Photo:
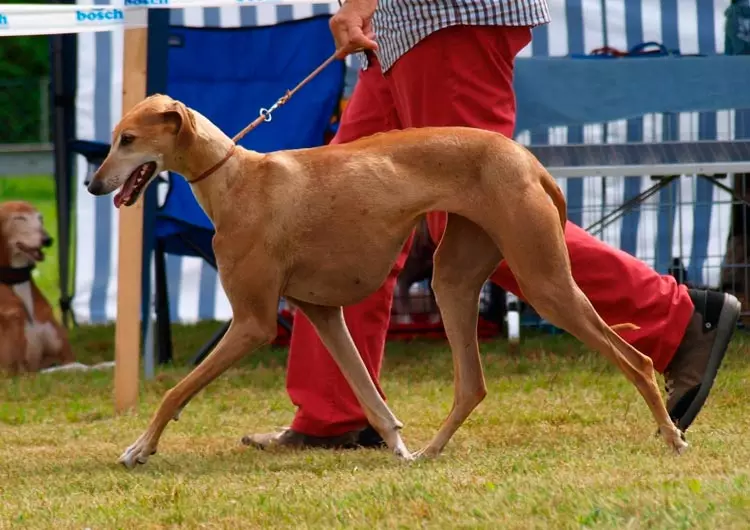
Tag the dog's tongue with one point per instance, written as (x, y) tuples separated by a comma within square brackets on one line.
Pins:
[(123, 196)]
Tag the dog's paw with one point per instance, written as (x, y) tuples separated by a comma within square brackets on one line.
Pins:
[(137, 453), (426, 453), (679, 446), (401, 451), (674, 438), (404, 455)]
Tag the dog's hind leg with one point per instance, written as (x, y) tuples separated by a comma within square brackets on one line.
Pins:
[(331, 327), (572, 311), (533, 245), (464, 259)]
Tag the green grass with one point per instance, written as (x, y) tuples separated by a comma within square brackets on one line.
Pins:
[(40, 192), (562, 441)]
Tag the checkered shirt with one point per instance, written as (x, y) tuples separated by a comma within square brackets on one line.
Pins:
[(401, 24)]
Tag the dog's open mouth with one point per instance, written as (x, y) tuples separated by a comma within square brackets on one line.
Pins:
[(35, 254), (135, 184)]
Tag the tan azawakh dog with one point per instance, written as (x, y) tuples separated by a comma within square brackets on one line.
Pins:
[(323, 227)]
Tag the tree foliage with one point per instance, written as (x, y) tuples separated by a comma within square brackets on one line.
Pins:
[(23, 62), (24, 56)]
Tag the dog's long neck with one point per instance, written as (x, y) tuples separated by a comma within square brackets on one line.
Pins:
[(209, 147)]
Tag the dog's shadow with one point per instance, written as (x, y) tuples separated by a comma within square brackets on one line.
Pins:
[(282, 462), (240, 460)]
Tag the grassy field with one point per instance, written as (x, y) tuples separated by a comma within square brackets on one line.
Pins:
[(562, 441)]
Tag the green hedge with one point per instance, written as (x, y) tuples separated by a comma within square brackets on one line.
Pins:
[(24, 61), (21, 111)]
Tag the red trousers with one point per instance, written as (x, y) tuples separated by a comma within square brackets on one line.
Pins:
[(463, 75)]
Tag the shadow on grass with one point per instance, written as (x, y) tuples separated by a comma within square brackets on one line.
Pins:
[(220, 459)]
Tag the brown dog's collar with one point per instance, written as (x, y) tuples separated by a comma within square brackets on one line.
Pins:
[(15, 275), (210, 171)]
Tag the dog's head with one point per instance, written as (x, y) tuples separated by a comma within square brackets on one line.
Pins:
[(22, 234), (149, 139)]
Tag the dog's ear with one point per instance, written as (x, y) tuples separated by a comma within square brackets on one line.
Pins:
[(182, 121)]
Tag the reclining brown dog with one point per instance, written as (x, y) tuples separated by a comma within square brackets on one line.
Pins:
[(31, 339), (323, 227)]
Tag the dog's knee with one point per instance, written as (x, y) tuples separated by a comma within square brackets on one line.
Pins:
[(547, 303), (256, 331)]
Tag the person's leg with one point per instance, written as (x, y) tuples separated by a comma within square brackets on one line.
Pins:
[(328, 414), (463, 75)]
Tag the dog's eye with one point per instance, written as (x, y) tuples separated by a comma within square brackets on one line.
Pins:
[(126, 139)]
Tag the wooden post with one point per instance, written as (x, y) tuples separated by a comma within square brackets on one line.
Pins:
[(127, 327)]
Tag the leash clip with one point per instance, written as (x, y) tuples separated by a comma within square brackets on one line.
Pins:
[(266, 114)]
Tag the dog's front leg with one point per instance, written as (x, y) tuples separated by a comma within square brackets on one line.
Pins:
[(57, 350), (330, 324), (242, 337)]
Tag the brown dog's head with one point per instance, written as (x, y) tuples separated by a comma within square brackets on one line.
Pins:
[(148, 140), (22, 235)]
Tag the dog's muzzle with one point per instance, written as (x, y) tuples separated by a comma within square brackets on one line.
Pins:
[(95, 187)]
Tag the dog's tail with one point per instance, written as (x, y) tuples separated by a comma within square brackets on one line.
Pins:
[(556, 194)]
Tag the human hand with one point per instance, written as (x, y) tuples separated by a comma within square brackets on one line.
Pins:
[(351, 27)]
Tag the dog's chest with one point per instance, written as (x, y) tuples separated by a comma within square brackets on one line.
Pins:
[(23, 292), (40, 336)]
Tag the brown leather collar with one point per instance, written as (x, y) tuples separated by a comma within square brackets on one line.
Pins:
[(210, 171), (15, 275)]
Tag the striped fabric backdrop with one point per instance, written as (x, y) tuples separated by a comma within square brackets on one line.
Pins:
[(690, 219)]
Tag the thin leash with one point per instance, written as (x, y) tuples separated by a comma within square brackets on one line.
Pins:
[(264, 116)]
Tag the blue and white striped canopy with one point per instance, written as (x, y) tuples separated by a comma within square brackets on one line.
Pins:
[(689, 220)]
